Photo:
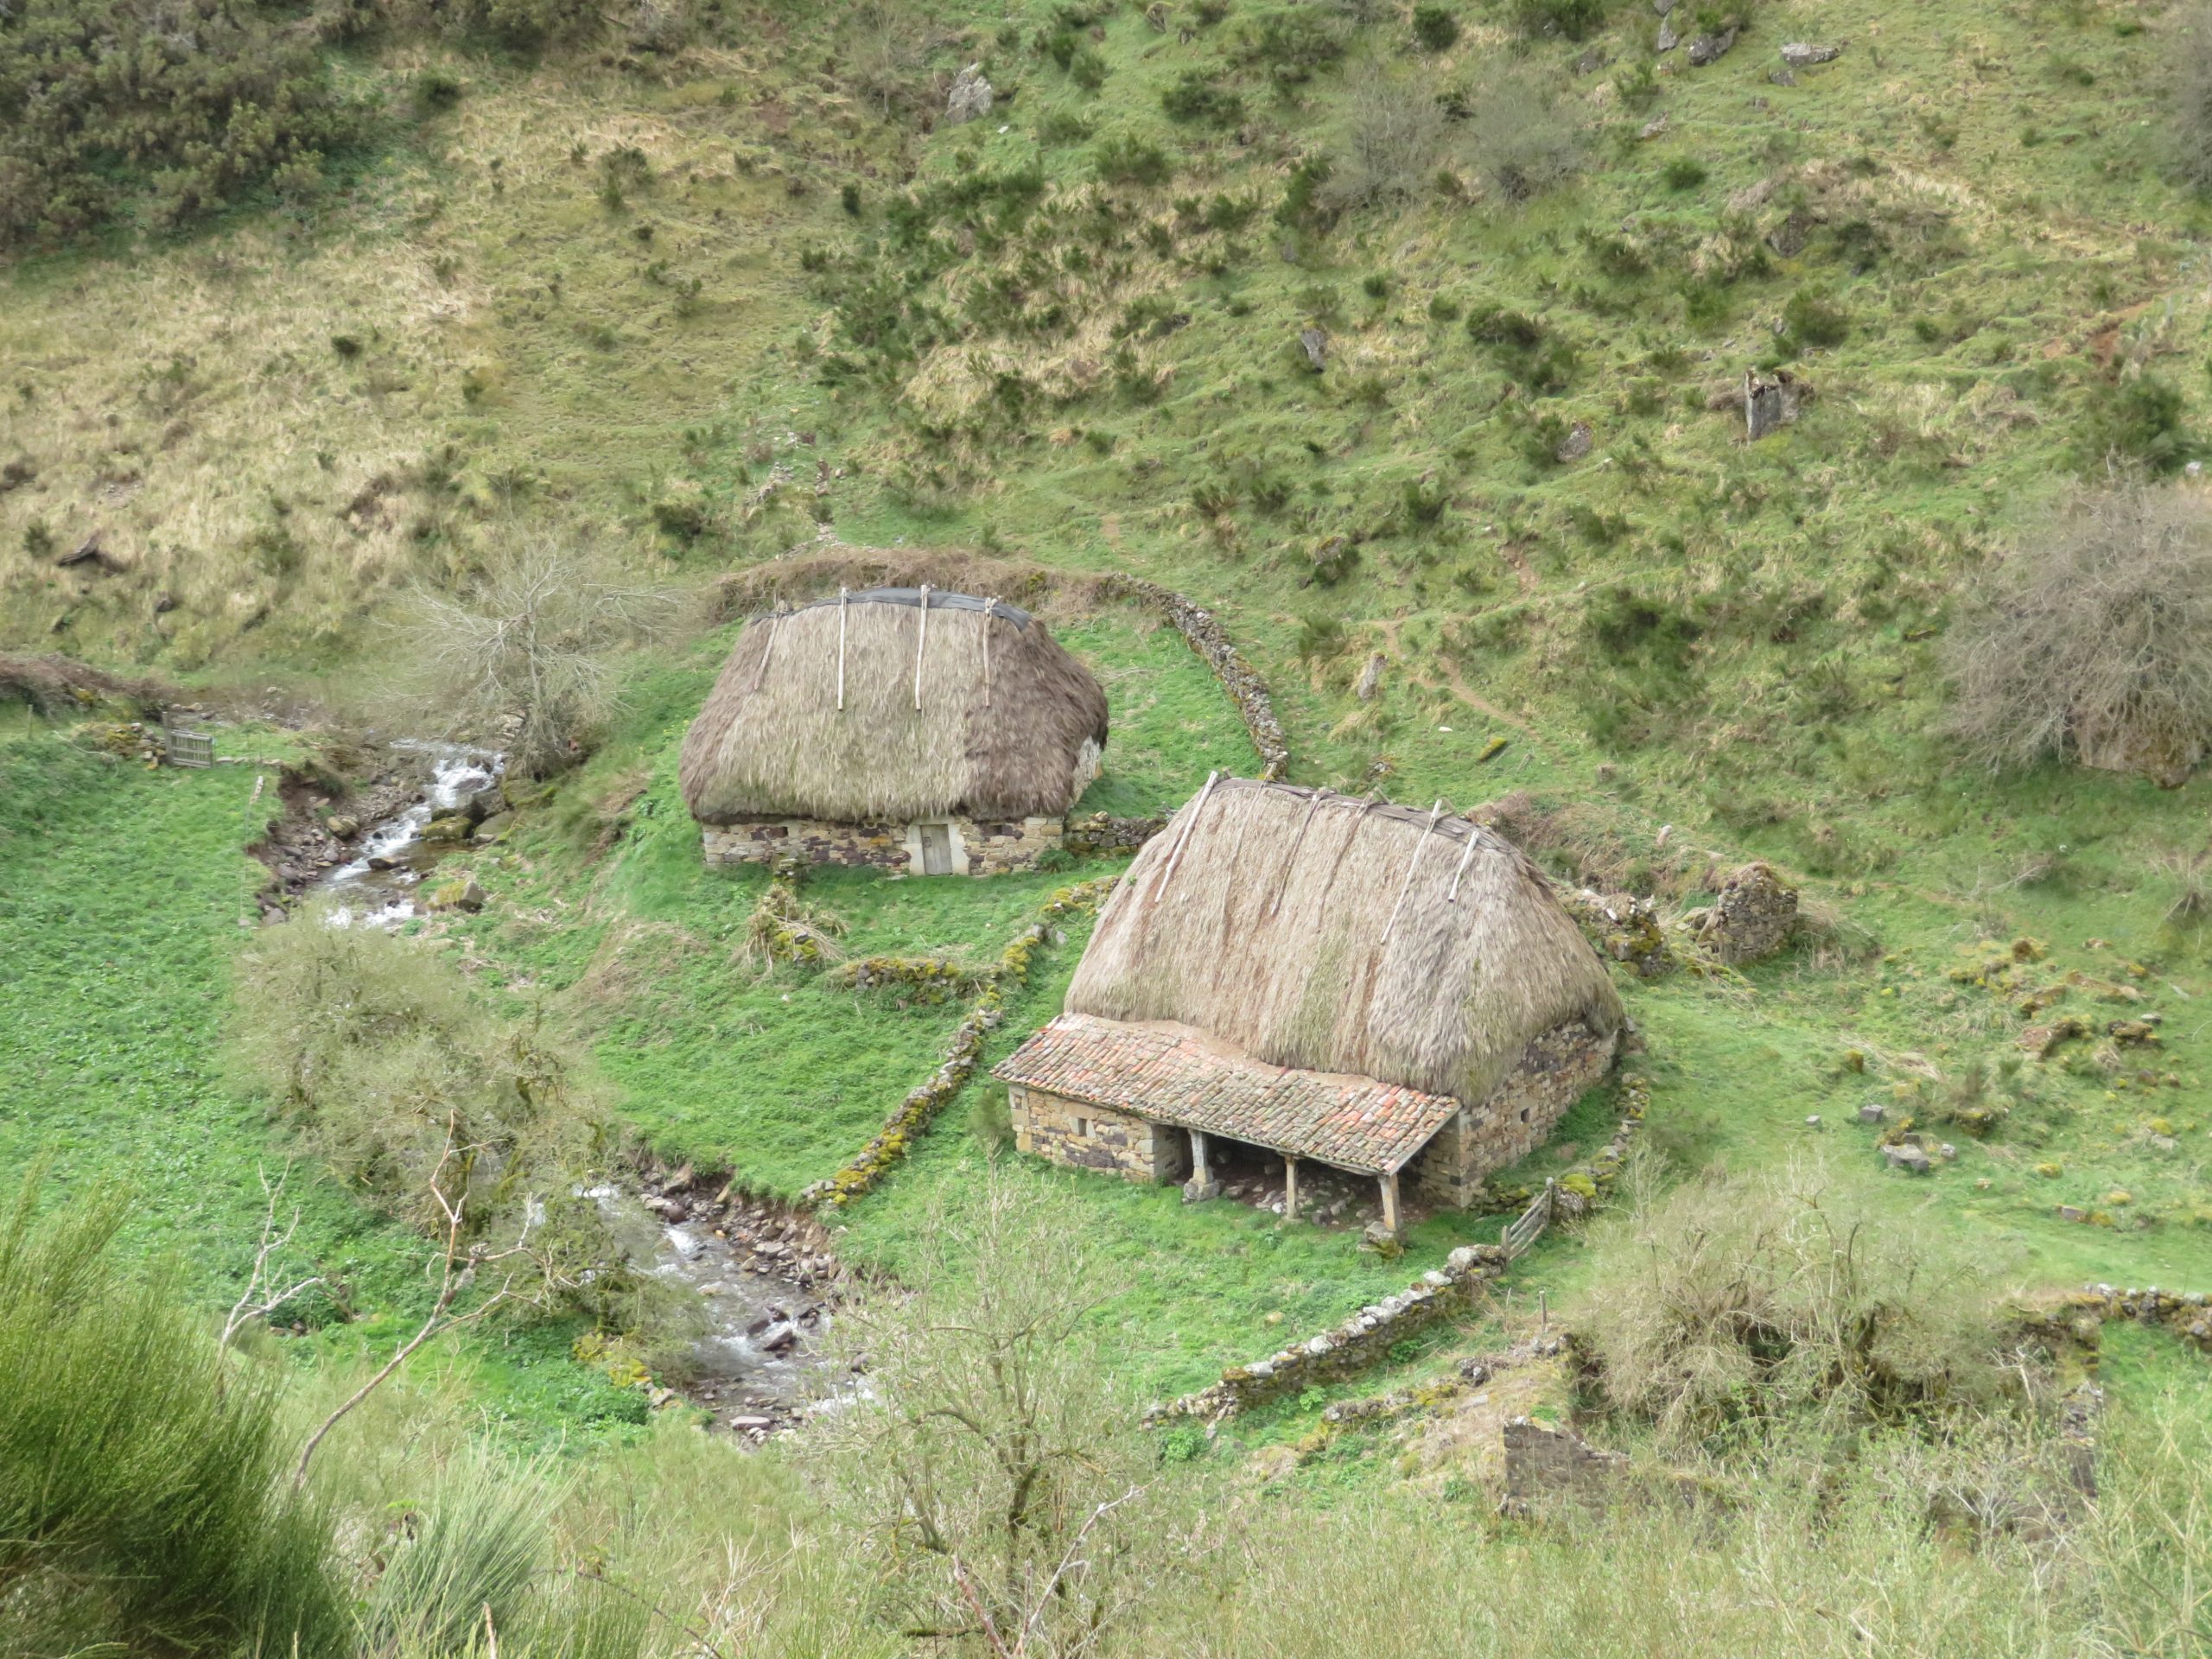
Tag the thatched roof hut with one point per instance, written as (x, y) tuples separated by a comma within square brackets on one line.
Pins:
[(1332, 934), (1372, 986), (894, 704)]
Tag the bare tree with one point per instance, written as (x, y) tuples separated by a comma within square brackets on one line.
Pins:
[(474, 1279), (1395, 137), (1001, 1484), (2095, 640), (260, 1296), (533, 644)]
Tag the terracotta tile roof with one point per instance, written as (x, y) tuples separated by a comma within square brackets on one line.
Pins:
[(1171, 1073)]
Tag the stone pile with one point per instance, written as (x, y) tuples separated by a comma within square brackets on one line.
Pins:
[(1754, 916)]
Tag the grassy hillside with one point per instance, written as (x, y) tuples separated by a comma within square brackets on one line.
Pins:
[(697, 308)]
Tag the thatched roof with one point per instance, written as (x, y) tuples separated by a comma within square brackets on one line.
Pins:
[(1331, 934), (1172, 1074), (1009, 725)]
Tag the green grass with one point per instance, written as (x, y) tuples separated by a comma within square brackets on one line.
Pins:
[(123, 893)]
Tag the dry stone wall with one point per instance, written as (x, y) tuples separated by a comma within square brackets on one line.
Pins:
[(1094, 1137), (1441, 1293), (983, 846), (1555, 1072)]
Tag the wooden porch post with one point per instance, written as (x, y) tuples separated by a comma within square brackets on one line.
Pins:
[(1289, 1188), (1389, 1185)]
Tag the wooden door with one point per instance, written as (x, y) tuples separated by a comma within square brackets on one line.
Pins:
[(937, 850)]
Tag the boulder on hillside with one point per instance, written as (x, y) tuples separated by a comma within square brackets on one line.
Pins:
[(970, 98)]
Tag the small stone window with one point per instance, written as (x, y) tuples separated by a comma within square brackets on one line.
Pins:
[(1082, 1126), (1524, 1113)]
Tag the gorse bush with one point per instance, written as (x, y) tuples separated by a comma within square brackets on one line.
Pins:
[(110, 105), (2138, 421), (142, 1499), (2095, 640)]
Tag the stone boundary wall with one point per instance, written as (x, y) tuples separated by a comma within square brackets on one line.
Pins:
[(2078, 1314), (1441, 1293), (1101, 835), (914, 1114), (1202, 632)]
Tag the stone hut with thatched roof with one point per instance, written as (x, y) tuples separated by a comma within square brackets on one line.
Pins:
[(1391, 992), (928, 731)]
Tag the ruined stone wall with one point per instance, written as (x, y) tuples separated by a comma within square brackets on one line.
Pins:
[(1556, 1071), (980, 847), (1092, 1137), (1441, 1293)]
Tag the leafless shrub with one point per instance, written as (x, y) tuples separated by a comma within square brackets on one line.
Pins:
[(2095, 640), (1736, 1300), (883, 47), (2188, 88), (995, 1479), (1518, 140), (1395, 137), (532, 647)]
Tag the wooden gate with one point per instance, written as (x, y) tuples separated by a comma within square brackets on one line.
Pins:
[(1527, 1227), (185, 746)]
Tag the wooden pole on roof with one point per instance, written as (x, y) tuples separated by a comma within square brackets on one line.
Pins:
[(1190, 826), (1412, 865), (768, 650), (990, 605), (1290, 853), (842, 592), (921, 640), (1474, 832)]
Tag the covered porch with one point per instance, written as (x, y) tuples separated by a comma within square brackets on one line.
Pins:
[(1315, 1127)]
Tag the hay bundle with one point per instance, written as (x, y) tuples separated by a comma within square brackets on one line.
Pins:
[(1288, 926), (771, 741)]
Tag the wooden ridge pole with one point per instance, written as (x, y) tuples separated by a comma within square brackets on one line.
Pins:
[(1413, 864), (767, 650), (921, 642), (1182, 841), (1474, 832), (990, 605), (1290, 854)]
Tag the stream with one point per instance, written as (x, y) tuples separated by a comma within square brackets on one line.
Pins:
[(764, 1277)]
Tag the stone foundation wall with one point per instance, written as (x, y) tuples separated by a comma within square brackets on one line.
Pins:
[(980, 847), (1556, 1071), (1092, 1137)]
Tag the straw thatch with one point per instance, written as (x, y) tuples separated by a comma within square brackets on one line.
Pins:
[(1281, 928), (773, 742)]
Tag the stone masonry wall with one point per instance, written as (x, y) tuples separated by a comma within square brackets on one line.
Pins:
[(1092, 1137), (986, 846), (1556, 1071)]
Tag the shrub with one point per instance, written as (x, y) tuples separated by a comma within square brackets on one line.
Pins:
[(2137, 421), (1200, 97), (113, 104), (1124, 159), (1683, 172), (142, 1503), (1812, 319), (2188, 93), (1517, 139), (1434, 28), (2094, 639), (1751, 1299), (1292, 43), (1573, 18), (1394, 137), (990, 1119)]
